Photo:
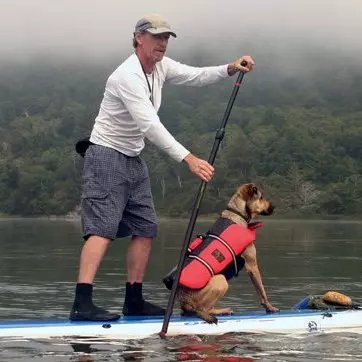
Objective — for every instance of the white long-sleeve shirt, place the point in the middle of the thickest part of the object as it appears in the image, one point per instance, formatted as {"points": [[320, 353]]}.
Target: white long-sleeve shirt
{"points": [[127, 115]]}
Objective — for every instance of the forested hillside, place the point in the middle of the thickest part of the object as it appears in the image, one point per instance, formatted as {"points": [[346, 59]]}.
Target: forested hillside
{"points": [[298, 135]]}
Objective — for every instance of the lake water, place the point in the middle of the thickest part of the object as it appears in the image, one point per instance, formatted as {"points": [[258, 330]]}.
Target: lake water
{"points": [[38, 269]]}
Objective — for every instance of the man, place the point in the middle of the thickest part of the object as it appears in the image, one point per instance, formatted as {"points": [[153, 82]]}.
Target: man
{"points": [[116, 194]]}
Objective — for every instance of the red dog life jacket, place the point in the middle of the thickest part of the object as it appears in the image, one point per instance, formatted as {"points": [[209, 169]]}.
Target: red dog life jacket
{"points": [[211, 254]]}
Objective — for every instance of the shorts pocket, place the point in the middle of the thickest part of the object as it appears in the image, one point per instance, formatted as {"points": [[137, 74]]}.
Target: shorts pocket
{"points": [[97, 193]]}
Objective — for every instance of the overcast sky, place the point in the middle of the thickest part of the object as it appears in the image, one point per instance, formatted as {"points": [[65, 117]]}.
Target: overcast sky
{"points": [[99, 28]]}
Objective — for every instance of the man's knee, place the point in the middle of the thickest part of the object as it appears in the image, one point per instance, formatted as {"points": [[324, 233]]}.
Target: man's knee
{"points": [[145, 239], [93, 238]]}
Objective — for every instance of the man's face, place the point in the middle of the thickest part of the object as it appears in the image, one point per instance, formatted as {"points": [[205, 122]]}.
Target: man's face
{"points": [[154, 46]]}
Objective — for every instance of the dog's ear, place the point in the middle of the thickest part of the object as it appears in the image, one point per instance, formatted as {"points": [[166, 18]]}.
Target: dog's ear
{"points": [[253, 190], [247, 191]]}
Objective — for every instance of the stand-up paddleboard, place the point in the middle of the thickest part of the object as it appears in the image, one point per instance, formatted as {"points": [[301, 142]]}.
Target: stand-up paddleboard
{"points": [[296, 320]]}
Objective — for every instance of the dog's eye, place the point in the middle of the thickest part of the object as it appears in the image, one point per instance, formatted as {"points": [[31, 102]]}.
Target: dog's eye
{"points": [[255, 190]]}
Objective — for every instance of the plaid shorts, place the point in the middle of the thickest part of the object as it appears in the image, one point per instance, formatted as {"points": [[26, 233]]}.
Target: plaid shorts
{"points": [[116, 196]]}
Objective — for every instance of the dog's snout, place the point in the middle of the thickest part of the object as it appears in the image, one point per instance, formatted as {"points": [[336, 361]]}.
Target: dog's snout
{"points": [[270, 208]]}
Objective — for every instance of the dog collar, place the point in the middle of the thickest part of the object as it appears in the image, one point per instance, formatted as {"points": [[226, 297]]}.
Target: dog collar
{"points": [[247, 219]]}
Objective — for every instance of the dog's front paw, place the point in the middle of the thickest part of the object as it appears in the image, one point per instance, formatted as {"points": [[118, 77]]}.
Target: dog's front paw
{"points": [[271, 309]]}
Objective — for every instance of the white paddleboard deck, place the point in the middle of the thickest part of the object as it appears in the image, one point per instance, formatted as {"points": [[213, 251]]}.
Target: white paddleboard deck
{"points": [[294, 321]]}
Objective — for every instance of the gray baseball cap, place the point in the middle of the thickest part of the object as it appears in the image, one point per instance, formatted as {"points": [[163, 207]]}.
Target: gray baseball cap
{"points": [[154, 24]]}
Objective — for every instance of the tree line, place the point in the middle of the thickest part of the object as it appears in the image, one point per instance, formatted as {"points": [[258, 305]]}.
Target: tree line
{"points": [[297, 135]]}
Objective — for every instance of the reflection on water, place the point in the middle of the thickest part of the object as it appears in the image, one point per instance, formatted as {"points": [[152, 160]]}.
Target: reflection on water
{"points": [[39, 261]]}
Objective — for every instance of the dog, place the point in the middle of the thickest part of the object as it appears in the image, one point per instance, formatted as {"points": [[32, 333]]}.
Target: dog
{"points": [[245, 204]]}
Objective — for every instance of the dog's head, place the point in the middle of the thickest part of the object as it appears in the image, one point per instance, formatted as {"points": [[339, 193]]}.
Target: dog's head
{"points": [[248, 200]]}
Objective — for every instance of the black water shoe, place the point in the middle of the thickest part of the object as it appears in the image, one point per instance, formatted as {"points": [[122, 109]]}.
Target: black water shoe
{"points": [[135, 305], [91, 313], [142, 308]]}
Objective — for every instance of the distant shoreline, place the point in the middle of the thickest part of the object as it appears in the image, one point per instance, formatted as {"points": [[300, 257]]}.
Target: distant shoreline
{"points": [[203, 218]]}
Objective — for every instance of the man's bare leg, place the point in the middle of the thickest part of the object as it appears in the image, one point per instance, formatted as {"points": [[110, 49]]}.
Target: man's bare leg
{"points": [[91, 257], [138, 255], [93, 252]]}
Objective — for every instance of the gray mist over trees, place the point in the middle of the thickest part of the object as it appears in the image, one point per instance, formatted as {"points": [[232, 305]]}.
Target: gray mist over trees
{"points": [[100, 29]]}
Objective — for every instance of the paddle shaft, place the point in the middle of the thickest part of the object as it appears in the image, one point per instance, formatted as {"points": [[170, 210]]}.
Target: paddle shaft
{"points": [[195, 211]]}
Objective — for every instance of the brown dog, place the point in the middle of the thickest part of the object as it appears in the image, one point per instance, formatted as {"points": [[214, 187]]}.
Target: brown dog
{"points": [[244, 205]]}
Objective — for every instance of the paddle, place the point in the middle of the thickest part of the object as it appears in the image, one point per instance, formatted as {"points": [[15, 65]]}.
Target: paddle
{"points": [[218, 138]]}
